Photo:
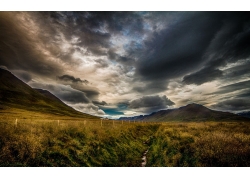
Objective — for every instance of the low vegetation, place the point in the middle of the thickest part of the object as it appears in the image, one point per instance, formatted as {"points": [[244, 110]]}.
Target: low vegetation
{"points": [[201, 144], [51, 141], [36, 139]]}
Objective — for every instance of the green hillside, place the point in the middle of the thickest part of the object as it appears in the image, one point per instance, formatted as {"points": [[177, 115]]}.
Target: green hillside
{"points": [[14, 93]]}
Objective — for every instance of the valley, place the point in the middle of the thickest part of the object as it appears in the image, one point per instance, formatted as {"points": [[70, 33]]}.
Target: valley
{"points": [[39, 130]]}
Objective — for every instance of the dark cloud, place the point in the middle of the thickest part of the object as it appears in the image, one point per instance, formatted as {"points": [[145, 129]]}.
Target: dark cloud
{"points": [[73, 97], [201, 40], [19, 46], [125, 60], [80, 85], [91, 92], [88, 108], [94, 29], [65, 93], [179, 48], [72, 79], [244, 94], [231, 44], [151, 87], [232, 87], [232, 40], [241, 71], [102, 103], [116, 22], [143, 50], [112, 55], [236, 104], [206, 74], [202, 76], [155, 102], [23, 75]]}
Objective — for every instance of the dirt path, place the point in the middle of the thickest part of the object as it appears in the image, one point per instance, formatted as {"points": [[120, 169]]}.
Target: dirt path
{"points": [[144, 155], [144, 159]]}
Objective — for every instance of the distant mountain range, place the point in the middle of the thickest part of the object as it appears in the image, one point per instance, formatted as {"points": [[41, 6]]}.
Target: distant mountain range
{"points": [[190, 112], [14, 93]]}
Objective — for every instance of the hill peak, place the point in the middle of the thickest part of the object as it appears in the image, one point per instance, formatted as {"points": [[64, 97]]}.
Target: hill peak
{"points": [[195, 108]]}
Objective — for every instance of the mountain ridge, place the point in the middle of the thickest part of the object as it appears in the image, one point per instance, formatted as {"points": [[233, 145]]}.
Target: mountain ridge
{"points": [[190, 112]]}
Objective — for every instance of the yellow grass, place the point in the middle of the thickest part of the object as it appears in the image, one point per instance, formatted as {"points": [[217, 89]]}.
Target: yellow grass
{"points": [[36, 139], [201, 144], [49, 140]]}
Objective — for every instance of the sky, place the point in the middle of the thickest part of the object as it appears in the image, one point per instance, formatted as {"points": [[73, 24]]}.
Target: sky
{"points": [[115, 64]]}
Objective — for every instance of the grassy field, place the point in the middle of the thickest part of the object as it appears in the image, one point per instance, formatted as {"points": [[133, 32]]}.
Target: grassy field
{"points": [[36, 139], [209, 144], [50, 140]]}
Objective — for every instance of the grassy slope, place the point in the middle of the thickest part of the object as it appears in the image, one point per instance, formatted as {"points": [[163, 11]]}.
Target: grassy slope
{"points": [[16, 94]]}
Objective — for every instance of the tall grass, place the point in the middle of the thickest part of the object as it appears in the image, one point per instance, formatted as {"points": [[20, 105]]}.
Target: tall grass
{"points": [[72, 143], [201, 144], [38, 139]]}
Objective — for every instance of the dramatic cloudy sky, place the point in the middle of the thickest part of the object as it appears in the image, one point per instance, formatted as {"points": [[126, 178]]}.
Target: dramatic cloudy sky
{"points": [[129, 63]]}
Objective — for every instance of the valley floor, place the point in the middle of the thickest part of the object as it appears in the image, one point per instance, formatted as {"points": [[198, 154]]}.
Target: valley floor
{"points": [[46, 140]]}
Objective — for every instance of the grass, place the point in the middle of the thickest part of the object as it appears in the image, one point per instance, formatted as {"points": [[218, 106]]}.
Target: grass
{"points": [[51, 140], [209, 144], [42, 141]]}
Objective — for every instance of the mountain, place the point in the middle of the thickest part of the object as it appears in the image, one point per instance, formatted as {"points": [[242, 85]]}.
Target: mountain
{"points": [[245, 114], [14, 93], [191, 112]]}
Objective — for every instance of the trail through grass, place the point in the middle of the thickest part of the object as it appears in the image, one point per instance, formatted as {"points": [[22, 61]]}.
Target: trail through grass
{"points": [[72, 143], [37, 139]]}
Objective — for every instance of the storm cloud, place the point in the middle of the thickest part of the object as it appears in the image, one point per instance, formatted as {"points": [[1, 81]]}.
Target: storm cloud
{"points": [[88, 108], [66, 93], [72, 79], [22, 47], [237, 104], [80, 85], [99, 59], [103, 103], [151, 103], [202, 76], [179, 48], [23, 75], [233, 87]]}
